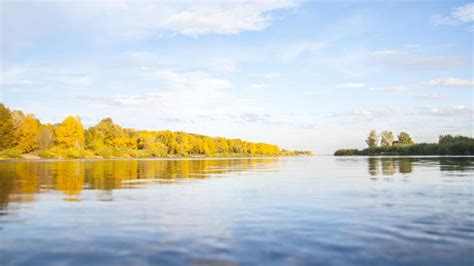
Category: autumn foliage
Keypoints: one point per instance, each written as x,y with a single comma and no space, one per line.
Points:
20,134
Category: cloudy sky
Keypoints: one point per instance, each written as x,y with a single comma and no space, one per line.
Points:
302,74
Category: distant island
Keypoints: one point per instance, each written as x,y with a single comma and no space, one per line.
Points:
384,144
24,136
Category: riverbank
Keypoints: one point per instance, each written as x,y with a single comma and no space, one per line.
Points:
35,156
451,148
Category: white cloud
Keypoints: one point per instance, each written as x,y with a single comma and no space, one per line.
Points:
177,94
294,50
123,100
407,62
223,64
448,82
258,86
398,88
23,22
373,114
382,113
457,110
464,13
412,46
14,76
458,15
428,96
225,18
351,85
79,80
199,96
45,75
271,75
439,20
186,80
223,61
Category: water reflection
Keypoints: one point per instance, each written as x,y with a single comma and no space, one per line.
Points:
389,166
265,211
461,164
20,181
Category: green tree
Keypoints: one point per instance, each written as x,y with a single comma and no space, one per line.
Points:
373,139
386,138
446,139
404,139
70,134
7,133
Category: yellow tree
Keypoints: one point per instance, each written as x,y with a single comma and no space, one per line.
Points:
46,137
17,117
235,145
6,128
252,148
28,133
222,145
170,140
196,145
184,146
209,146
94,139
147,141
70,134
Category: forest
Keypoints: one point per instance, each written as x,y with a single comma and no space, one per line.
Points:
24,136
385,144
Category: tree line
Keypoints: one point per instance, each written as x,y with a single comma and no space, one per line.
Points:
24,134
386,144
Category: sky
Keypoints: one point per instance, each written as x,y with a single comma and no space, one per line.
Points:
304,75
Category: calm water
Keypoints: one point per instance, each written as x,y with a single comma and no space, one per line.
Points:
273,211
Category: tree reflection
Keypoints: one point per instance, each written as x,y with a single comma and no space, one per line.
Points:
69,178
373,166
21,180
461,164
405,165
6,188
389,166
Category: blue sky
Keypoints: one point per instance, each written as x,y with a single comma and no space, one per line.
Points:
302,74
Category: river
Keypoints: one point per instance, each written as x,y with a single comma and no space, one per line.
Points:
319,210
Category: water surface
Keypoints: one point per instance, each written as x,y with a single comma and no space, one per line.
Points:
260,211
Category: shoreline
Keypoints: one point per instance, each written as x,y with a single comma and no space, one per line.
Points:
37,158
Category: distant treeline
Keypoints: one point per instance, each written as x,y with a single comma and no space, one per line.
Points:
384,144
24,134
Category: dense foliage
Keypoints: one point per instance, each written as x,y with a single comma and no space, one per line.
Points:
447,145
24,134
